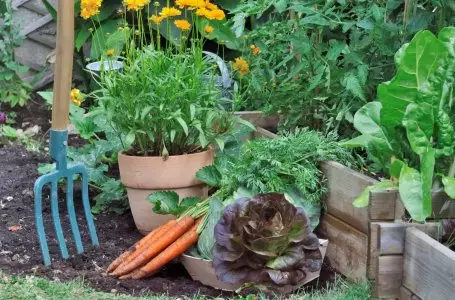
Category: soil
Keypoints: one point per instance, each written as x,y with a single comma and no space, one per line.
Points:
20,252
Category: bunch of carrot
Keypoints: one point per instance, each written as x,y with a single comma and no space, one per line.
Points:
151,253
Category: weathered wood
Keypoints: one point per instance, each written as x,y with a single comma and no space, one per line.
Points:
344,186
38,6
429,267
406,294
37,24
40,53
373,250
263,133
17,3
45,35
439,199
348,247
389,275
392,235
259,119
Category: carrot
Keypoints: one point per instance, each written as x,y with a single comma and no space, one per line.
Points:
171,252
165,240
138,245
157,233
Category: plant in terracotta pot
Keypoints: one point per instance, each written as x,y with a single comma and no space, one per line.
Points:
168,113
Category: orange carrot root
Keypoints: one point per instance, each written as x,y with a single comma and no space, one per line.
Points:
174,250
131,250
147,253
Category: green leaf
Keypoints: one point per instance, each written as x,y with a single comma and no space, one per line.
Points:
129,139
352,84
360,141
416,80
449,186
239,24
427,163
395,168
363,199
422,114
82,35
165,202
220,143
183,124
188,202
46,168
50,8
314,19
206,239
209,175
410,188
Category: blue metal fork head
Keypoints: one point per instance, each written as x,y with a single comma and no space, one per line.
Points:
58,145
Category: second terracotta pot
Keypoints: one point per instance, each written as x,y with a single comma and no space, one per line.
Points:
142,175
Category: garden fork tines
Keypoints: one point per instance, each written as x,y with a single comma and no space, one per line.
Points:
58,144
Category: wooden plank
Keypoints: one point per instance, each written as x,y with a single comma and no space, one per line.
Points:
37,24
263,133
406,294
439,199
392,235
17,3
382,205
32,54
429,267
373,238
389,275
259,119
348,247
45,35
344,186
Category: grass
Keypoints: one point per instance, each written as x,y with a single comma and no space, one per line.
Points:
31,288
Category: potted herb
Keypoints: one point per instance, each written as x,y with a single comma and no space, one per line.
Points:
166,110
409,132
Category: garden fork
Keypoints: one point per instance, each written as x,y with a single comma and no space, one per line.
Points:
58,145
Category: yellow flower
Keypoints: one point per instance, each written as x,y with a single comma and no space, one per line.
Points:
168,12
255,50
156,19
208,29
110,52
202,12
135,4
240,65
90,8
182,24
217,14
76,97
192,4
211,6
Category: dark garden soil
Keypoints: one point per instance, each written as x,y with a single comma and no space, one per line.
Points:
20,251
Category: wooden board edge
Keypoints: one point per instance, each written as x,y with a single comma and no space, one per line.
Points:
389,275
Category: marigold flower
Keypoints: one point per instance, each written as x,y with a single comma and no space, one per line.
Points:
90,8
156,19
208,29
255,50
202,12
135,4
76,97
182,24
168,12
110,52
217,14
211,6
192,4
240,65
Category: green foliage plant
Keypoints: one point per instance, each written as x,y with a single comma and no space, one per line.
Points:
409,132
13,90
320,61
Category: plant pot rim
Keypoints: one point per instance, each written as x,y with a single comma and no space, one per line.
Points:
209,149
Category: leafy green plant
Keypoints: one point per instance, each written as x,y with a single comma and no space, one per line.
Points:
265,240
13,90
409,132
321,66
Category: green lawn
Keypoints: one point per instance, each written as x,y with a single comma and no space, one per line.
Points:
30,288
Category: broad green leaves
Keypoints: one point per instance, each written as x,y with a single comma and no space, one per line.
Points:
364,199
168,202
416,80
206,239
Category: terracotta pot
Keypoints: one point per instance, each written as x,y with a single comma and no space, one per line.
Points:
142,175
202,270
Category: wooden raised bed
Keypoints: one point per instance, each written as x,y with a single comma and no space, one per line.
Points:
259,119
362,241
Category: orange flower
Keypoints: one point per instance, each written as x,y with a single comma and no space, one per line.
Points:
156,19
202,12
182,24
192,4
76,97
208,29
110,52
217,14
135,4
90,8
240,65
211,6
168,12
255,50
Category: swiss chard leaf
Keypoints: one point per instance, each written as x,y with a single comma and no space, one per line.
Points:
449,186
206,239
364,198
